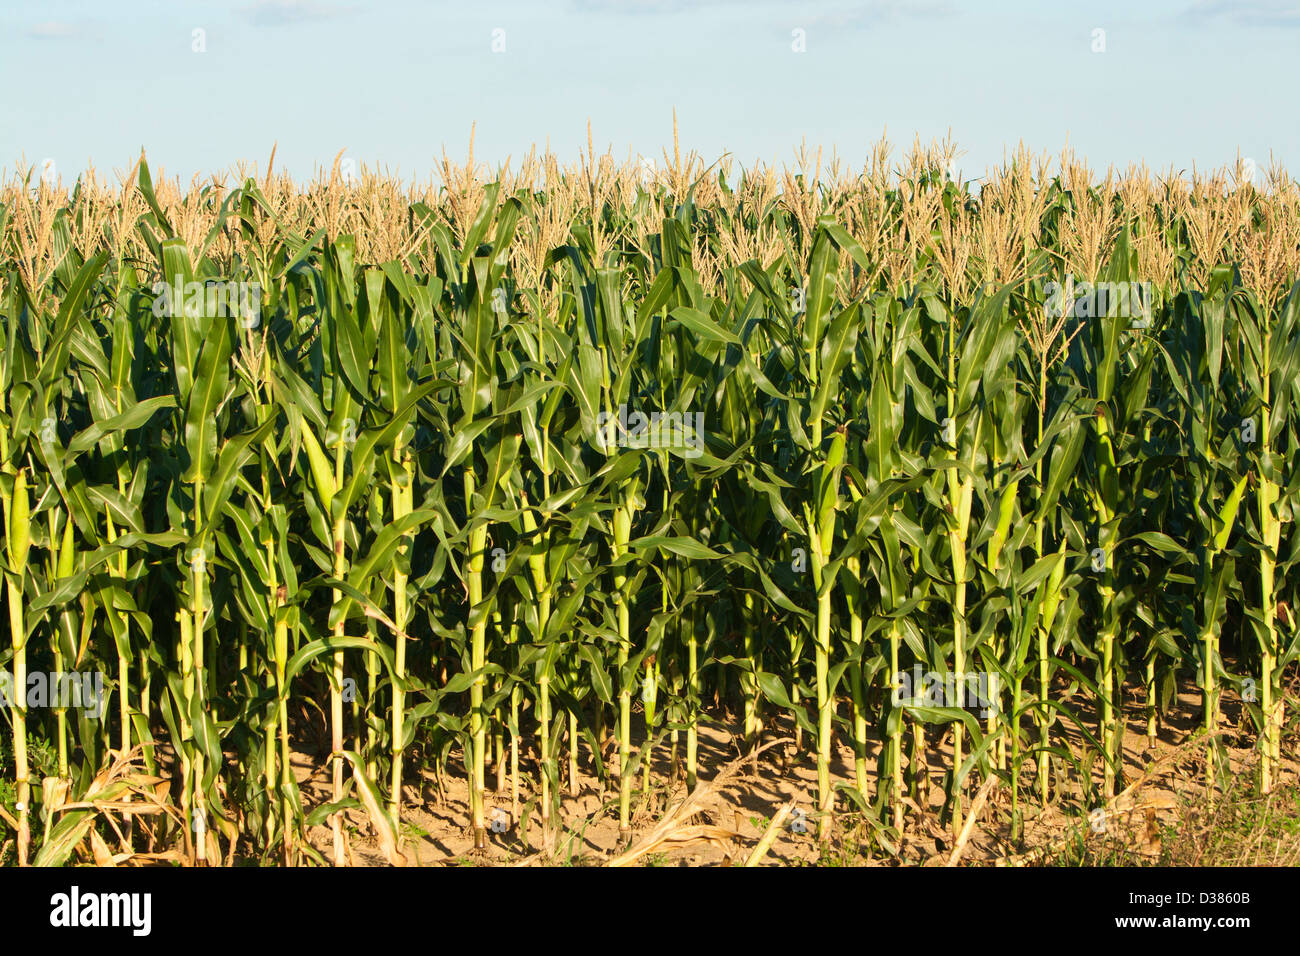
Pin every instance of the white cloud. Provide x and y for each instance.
(818, 12)
(52, 30)
(684, 6)
(282, 12)
(873, 12)
(1248, 13)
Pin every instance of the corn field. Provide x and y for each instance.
(480, 474)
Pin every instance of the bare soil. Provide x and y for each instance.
(737, 795)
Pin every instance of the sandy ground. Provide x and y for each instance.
(728, 816)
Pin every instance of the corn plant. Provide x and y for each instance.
(384, 515)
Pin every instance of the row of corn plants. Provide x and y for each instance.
(576, 470)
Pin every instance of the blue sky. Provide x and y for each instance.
(395, 81)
